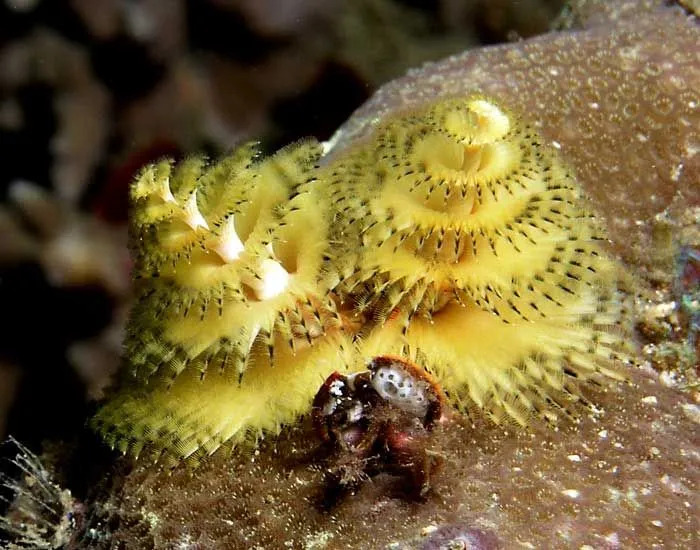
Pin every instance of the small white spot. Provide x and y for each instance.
(495, 121)
(664, 309)
(571, 493)
(274, 279)
(674, 485)
(642, 138)
(254, 331)
(574, 458)
(428, 530)
(355, 413)
(327, 146)
(692, 412)
(613, 539)
(657, 523)
(650, 400)
(556, 145)
(668, 378)
(676, 172)
(165, 193)
(594, 105)
(618, 445)
(193, 217)
(230, 245)
(603, 434)
(336, 388)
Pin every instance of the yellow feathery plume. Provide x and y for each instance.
(194, 417)
(227, 266)
(472, 253)
(234, 260)
(453, 237)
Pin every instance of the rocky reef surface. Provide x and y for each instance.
(616, 92)
(624, 478)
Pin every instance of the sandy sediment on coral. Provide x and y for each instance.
(624, 478)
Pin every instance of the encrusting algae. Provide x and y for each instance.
(452, 237)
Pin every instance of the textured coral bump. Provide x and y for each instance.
(453, 237)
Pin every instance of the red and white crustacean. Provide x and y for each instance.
(380, 420)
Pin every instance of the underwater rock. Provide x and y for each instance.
(619, 99)
(624, 477)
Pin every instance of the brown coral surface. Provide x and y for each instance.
(619, 98)
(626, 478)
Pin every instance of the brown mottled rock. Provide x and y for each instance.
(624, 478)
(619, 98)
